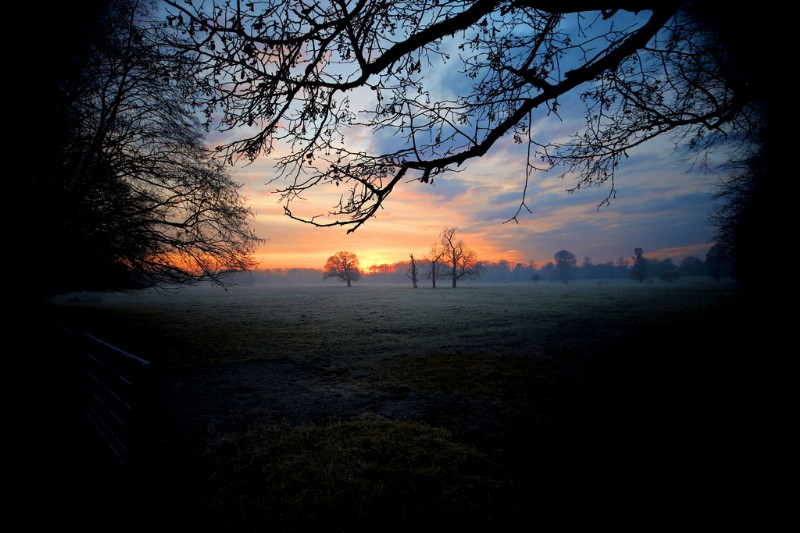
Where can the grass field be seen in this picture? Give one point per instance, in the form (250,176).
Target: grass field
(202,325)
(537,407)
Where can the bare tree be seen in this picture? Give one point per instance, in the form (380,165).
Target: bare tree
(462,261)
(413,272)
(735,216)
(342,265)
(131,196)
(433,260)
(289,74)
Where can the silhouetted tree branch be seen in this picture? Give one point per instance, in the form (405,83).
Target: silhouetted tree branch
(288,78)
(132,195)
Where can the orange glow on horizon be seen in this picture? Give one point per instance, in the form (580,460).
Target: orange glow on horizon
(480,204)
(367,259)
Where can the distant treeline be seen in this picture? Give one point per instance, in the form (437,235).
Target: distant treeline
(497,272)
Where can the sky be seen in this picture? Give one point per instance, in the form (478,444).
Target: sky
(661,206)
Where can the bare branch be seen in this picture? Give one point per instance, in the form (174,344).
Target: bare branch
(289,74)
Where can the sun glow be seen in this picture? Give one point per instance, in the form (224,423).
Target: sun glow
(375,263)
(479,202)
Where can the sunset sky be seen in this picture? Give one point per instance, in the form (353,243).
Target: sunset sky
(661,206)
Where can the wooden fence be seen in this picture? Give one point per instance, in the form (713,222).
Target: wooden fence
(108,386)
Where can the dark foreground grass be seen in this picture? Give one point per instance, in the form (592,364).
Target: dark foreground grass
(368,473)
(618,411)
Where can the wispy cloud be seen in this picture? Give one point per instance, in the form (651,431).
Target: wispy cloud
(661,205)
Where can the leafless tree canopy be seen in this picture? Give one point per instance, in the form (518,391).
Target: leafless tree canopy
(434,261)
(286,75)
(131,185)
(461,261)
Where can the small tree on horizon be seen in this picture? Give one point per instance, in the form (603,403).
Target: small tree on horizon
(639,267)
(436,254)
(342,265)
(412,272)
(564,262)
(463,261)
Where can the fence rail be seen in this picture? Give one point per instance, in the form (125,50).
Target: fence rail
(108,384)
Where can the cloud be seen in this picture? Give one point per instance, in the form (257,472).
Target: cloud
(661,203)
(659,207)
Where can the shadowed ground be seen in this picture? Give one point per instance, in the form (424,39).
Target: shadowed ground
(612,422)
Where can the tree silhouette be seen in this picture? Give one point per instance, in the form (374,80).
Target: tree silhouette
(462,261)
(692,266)
(413,271)
(342,265)
(639,267)
(564,262)
(129,193)
(736,215)
(434,259)
(290,78)
(718,261)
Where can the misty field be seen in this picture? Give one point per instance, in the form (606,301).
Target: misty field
(367,324)
(387,408)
